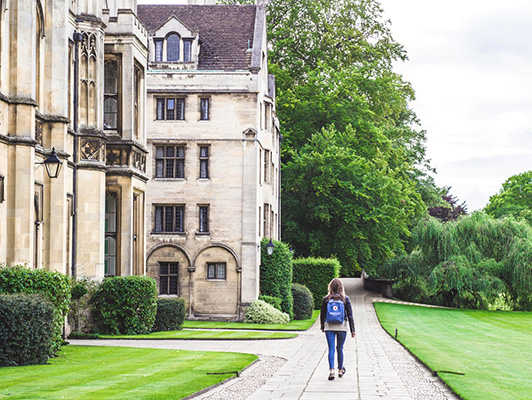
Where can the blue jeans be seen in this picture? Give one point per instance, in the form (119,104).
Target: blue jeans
(339,336)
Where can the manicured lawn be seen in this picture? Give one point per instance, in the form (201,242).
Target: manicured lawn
(87,372)
(300,325)
(206,335)
(493,349)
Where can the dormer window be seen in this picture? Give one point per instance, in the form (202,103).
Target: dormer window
(172,47)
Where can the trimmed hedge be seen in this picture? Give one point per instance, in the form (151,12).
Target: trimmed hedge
(276,274)
(54,286)
(125,305)
(260,312)
(303,301)
(271,300)
(316,273)
(170,314)
(26,329)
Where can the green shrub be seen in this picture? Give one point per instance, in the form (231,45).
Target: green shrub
(260,312)
(273,301)
(125,305)
(170,314)
(303,301)
(26,329)
(78,291)
(315,274)
(52,285)
(276,274)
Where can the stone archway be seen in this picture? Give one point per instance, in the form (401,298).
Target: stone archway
(216,287)
(169,265)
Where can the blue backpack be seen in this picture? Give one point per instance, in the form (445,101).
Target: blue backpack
(335,311)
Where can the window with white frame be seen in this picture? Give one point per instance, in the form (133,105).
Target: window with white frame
(217,271)
(169,108)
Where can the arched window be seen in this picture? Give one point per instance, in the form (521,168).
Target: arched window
(172,48)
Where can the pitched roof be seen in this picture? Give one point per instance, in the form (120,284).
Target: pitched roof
(224,31)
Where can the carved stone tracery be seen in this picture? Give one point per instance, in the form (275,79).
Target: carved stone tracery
(91,149)
(125,155)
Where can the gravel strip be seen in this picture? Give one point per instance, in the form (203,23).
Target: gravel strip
(419,381)
(249,381)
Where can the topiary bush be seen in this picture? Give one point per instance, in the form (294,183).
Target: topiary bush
(316,273)
(54,286)
(170,314)
(26,329)
(273,301)
(125,305)
(303,301)
(276,274)
(260,312)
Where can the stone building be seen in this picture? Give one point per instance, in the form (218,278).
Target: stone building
(213,162)
(73,79)
(166,129)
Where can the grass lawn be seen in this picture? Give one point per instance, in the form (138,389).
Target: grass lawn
(87,372)
(206,335)
(493,349)
(300,325)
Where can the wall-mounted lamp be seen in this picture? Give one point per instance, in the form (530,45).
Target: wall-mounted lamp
(269,248)
(52,164)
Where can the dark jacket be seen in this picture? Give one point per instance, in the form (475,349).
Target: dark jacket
(348,313)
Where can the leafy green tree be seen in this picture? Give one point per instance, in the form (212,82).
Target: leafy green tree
(514,198)
(354,158)
(345,198)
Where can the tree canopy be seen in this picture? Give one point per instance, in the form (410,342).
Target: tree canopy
(514,198)
(345,198)
(353,154)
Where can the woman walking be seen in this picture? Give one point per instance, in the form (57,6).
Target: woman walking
(336,312)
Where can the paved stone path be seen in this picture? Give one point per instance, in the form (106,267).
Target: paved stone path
(377,366)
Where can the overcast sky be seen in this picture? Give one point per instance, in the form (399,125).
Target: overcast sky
(470,63)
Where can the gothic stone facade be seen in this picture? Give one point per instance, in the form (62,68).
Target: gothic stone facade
(166,126)
(72,77)
(213,161)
